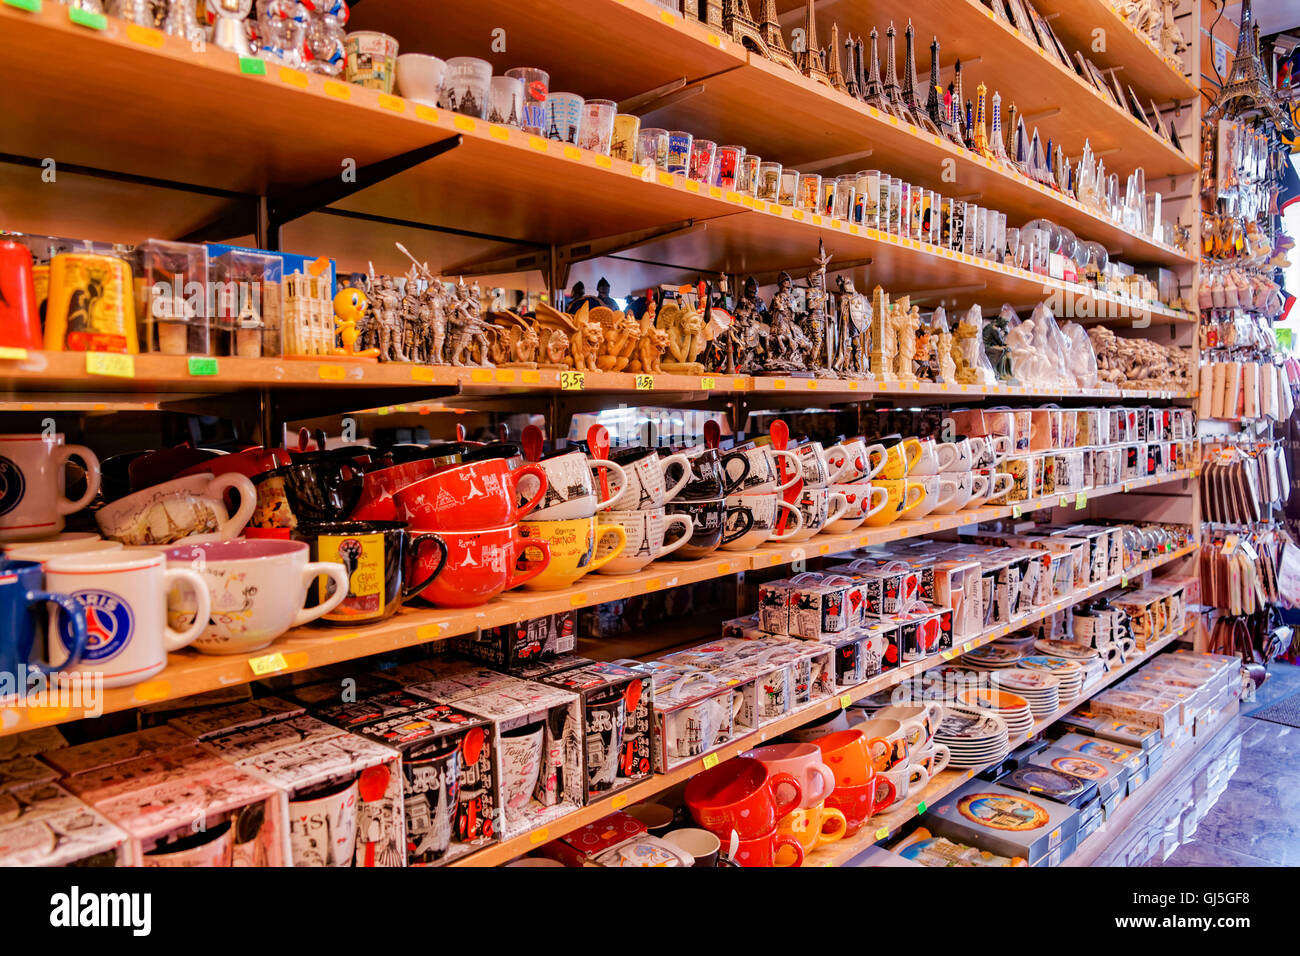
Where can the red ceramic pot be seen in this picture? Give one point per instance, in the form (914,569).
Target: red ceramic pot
(480,494)
(858,804)
(480,565)
(740,795)
(761,851)
(378,487)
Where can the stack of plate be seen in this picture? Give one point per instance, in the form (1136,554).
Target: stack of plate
(1012,708)
(1041,690)
(1022,641)
(1069,674)
(974,737)
(992,656)
(1070,650)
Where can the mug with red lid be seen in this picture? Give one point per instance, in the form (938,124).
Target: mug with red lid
(481,494)
(741,795)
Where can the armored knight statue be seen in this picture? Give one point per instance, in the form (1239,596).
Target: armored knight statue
(853,331)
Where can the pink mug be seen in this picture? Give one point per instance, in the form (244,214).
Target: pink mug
(804,763)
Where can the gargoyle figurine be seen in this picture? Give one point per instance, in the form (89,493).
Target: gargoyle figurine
(685,330)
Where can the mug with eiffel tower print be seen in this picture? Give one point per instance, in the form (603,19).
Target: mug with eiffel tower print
(573,486)
(646,532)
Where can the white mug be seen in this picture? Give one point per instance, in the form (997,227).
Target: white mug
(989,450)
(521,766)
(43,551)
(323,825)
(32,502)
(646,531)
(819,507)
(765,509)
(183,510)
(863,500)
(125,596)
(903,780)
(763,474)
(995,486)
(926,463)
(928,713)
(646,485)
(933,758)
(939,490)
(968,483)
(850,461)
(813,467)
(572,483)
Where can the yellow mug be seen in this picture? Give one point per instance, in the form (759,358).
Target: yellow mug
(814,827)
(902,496)
(573,549)
(899,458)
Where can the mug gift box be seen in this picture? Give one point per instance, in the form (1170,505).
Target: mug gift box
(616,840)
(447,758)
(515,646)
(617,703)
(824,604)
(551,667)
(112,750)
(514,705)
(1109,539)
(956,585)
(46,825)
(1006,822)
(917,634)
(774,599)
(302,755)
(694,712)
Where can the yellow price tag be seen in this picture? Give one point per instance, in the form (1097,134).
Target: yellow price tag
(619,801)
(1081,500)
(645,383)
(573,381)
(114,364)
(267,664)
(882,833)
(708,382)
(846,700)
(539,836)
(1123,581)
(710,761)
(1065,501)
(332,373)
(1016,511)
(8,352)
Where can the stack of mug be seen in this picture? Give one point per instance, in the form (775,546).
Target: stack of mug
(703,499)
(743,796)
(812,822)
(564,526)
(968,462)
(755,495)
(641,492)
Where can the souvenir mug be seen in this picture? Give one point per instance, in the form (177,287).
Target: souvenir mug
(968,484)
(926,461)
(644,483)
(851,461)
(864,501)
(20,317)
(573,488)
(32,500)
(1026,478)
(849,755)
(480,494)
(480,565)
(575,549)
(645,534)
(763,850)
(700,726)
(833,722)
(606,721)
(902,780)
(763,474)
(761,512)
(378,486)
(257,591)
(210,847)
(889,740)
(813,826)
(702,845)
(896,460)
(184,510)
(20,591)
(859,803)
(804,763)
(323,824)
(124,594)
(708,480)
(920,720)
(932,758)
(814,469)
(996,488)
(903,496)
(819,507)
(521,765)
(711,527)
(430,780)
(939,490)
(741,794)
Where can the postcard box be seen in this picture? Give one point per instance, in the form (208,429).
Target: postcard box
(617,703)
(1003,821)
(43,824)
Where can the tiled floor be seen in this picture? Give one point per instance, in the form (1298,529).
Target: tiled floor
(1237,804)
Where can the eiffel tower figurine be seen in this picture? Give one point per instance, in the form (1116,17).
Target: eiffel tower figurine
(893,94)
(810,59)
(851,78)
(860,66)
(934,96)
(873,92)
(832,59)
(996,141)
(969,141)
(770,29)
(1248,81)
(979,135)
(738,23)
(919,115)
(958,122)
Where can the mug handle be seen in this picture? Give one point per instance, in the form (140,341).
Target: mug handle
(794,467)
(75,613)
(940,763)
(1001,445)
(595,464)
(826,777)
(745,467)
(538,472)
(313,570)
(912,459)
(774,783)
(871,751)
(910,503)
(792,526)
(844,508)
(912,773)
(868,512)
(788,839)
(518,577)
(979,491)
(873,470)
(175,640)
(748,517)
(950,450)
(61,456)
(233,527)
(996,480)
(844,467)
(830,814)
(952,486)
(878,804)
(417,540)
(675,490)
(681,539)
(934,710)
(601,530)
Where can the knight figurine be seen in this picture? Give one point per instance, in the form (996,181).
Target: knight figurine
(854,330)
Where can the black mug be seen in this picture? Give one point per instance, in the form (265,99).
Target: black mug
(708,478)
(321,486)
(431,795)
(711,527)
(375,556)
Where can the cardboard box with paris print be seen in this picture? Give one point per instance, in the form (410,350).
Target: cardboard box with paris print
(43,824)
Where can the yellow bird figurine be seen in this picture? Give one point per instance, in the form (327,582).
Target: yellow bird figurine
(349,309)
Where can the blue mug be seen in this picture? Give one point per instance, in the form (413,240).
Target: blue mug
(21,587)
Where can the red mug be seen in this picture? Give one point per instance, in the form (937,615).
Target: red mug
(480,565)
(740,795)
(859,804)
(480,494)
(20,319)
(378,487)
(761,851)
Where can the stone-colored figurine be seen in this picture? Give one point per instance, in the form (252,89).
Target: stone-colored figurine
(586,341)
(787,343)
(749,331)
(386,310)
(906,321)
(620,334)
(966,344)
(518,344)
(852,347)
(817,316)
(883,341)
(684,327)
(943,346)
(470,343)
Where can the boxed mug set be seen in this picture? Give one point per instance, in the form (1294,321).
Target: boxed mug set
(524,644)
(44,824)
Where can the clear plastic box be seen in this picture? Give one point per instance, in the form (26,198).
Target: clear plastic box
(171,297)
(244,292)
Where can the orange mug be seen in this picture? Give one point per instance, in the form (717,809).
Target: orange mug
(859,804)
(848,754)
(813,827)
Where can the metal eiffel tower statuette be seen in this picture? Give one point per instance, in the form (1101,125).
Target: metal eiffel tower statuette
(810,60)
(739,24)
(851,77)
(959,124)
(919,115)
(892,92)
(770,29)
(979,135)
(934,96)
(1248,81)
(996,141)
(834,71)
(874,92)
(860,67)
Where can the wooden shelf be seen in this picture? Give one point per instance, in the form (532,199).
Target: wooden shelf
(190,672)
(517,846)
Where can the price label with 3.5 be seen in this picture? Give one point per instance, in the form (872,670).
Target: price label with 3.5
(572,381)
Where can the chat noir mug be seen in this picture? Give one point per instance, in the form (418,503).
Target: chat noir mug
(574,546)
